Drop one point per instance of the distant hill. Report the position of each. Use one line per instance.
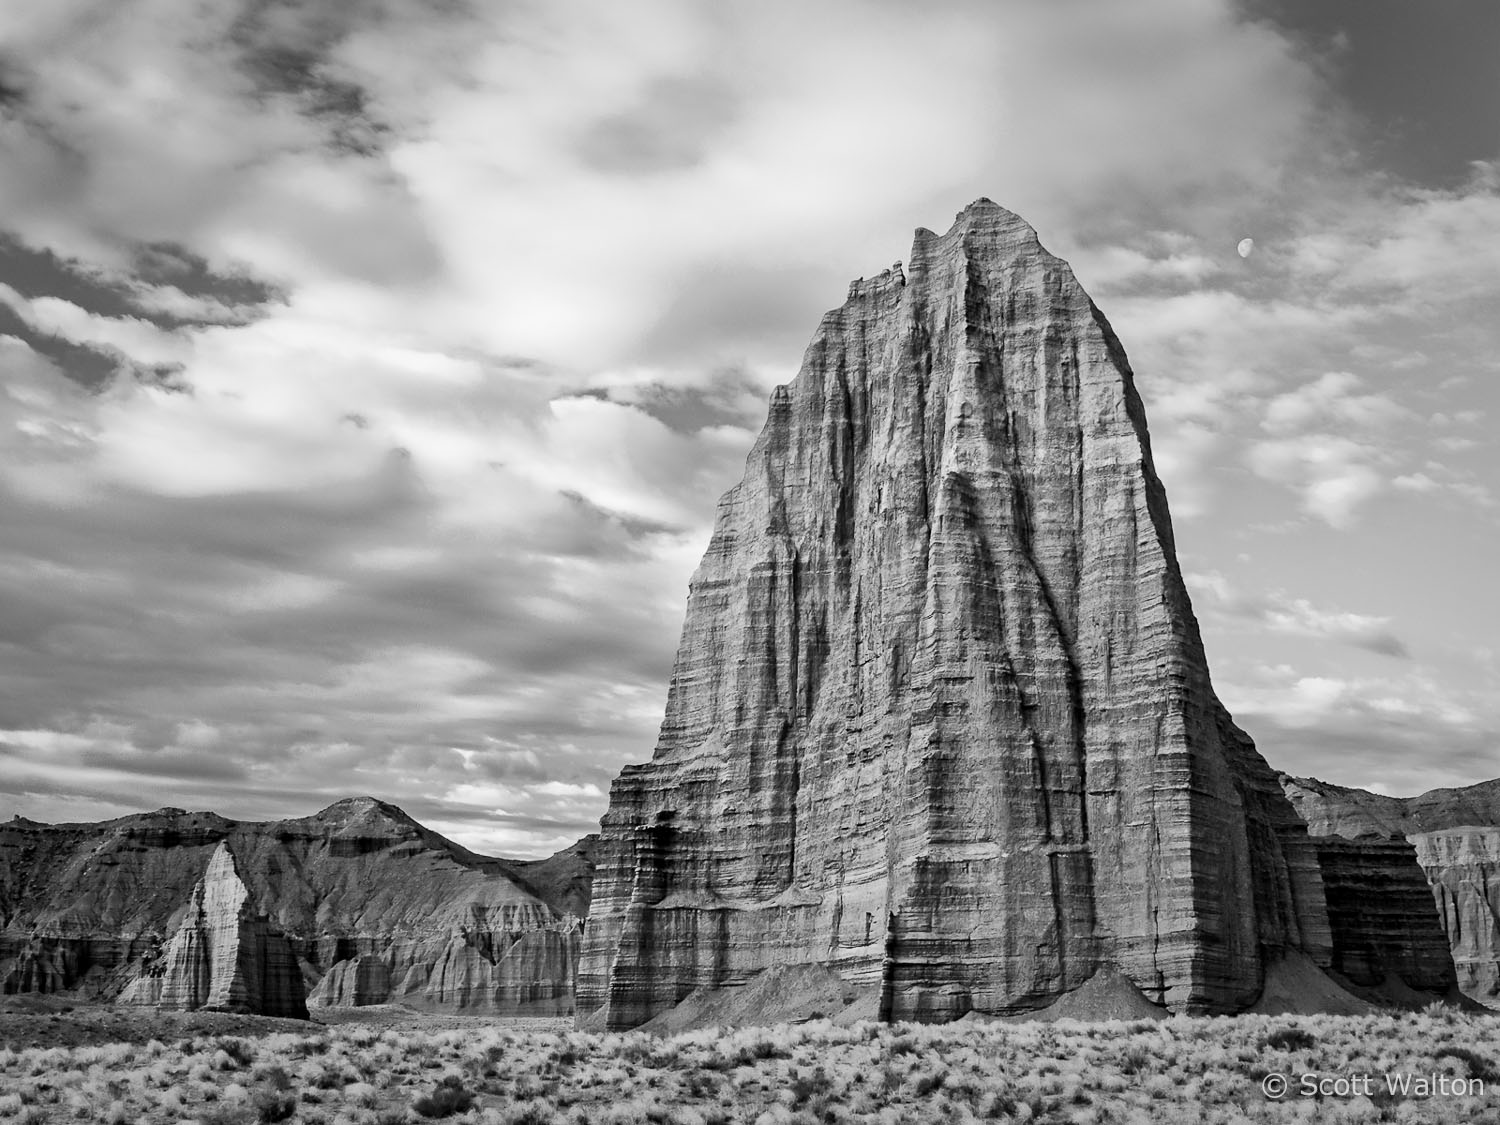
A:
(365, 894)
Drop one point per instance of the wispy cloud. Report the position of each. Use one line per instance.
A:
(1280, 613)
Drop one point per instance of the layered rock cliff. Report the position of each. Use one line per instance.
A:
(1381, 916)
(940, 717)
(87, 907)
(223, 955)
(1454, 837)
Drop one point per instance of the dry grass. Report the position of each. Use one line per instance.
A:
(489, 1073)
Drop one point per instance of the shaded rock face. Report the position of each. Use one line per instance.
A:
(353, 983)
(1454, 835)
(223, 956)
(940, 717)
(88, 906)
(1381, 915)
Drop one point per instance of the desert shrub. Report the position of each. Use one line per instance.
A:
(530, 1113)
(1477, 1065)
(700, 1084)
(361, 1094)
(446, 1099)
(1135, 1059)
(333, 1078)
(748, 1054)
(238, 1051)
(528, 1086)
(1290, 1039)
(275, 1076)
(273, 1105)
(901, 1045)
(805, 1087)
(225, 1115)
(392, 1117)
(307, 1048)
(929, 1083)
(1000, 1107)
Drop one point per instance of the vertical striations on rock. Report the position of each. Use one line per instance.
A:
(1381, 915)
(224, 955)
(941, 718)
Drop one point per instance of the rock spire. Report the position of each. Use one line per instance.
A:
(941, 719)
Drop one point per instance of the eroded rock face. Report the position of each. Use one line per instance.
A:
(940, 717)
(224, 955)
(1455, 838)
(1381, 915)
(88, 906)
(1463, 869)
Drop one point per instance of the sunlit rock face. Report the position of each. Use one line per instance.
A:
(940, 717)
(223, 955)
(366, 897)
(1454, 835)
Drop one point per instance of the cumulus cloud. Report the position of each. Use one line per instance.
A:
(1369, 732)
(421, 338)
(1326, 442)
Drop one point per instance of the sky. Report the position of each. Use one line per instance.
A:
(369, 373)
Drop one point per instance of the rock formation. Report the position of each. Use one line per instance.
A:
(1453, 834)
(940, 718)
(223, 956)
(1380, 913)
(383, 907)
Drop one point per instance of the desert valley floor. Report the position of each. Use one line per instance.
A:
(387, 1065)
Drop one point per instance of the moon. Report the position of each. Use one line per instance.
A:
(1246, 245)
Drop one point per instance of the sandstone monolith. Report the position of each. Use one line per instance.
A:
(940, 718)
(224, 955)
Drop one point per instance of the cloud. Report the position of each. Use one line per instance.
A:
(467, 314)
(1402, 734)
(1326, 444)
(1277, 612)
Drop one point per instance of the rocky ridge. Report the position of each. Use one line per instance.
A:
(940, 718)
(85, 907)
(1451, 835)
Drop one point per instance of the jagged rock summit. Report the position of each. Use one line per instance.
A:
(941, 719)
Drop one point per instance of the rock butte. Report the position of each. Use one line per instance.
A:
(223, 956)
(1453, 834)
(940, 719)
(373, 907)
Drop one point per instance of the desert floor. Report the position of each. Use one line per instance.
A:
(380, 1066)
